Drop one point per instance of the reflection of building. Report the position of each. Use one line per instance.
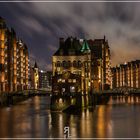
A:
(34, 73)
(126, 75)
(80, 65)
(13, 60)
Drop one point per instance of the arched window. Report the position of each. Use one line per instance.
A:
(74, 64)
(64, 64)
(79, 63)
(58, 64)
(69, 64)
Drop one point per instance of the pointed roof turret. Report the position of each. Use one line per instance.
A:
(85, 47)
(35, 66)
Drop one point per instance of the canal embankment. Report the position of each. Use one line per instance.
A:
(6, 99)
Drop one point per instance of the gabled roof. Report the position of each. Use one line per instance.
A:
(35, 66)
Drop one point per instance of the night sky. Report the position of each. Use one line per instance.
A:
(40, 25)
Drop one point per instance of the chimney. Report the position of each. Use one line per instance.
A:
(104, 38)
(61, 41)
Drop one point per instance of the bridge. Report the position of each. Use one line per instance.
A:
(73, 102)
(63, 101)
(122, 91)
(40, 92)
(32, 92)
(7, 98)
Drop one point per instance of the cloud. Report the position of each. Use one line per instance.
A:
(41, 25)
(31, 23)
(52, 48)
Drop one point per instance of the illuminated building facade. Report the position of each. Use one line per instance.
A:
(126, 75)
(100, 64)
(42, 79)
(81, 66)
(45, 79)
(71, 67)
(34, 73)
(13, 61)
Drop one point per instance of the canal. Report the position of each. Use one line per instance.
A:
(120, 118)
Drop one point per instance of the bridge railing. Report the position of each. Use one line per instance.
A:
(24, 92)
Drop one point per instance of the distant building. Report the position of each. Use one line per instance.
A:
(81, 66)
(49, 80)
(45, 79)
(13, 60)
(126, 75)
(42, 79)
(34, 76)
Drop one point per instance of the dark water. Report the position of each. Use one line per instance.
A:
(120, 118)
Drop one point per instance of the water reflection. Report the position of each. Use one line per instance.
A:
(24, 120)
(124, 100)
(32, 118)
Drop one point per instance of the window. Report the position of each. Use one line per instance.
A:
(69, 80)
(74, 80)
(64, 64)
(79, 64)
(59, 80)
(58, 64)
(74, 64)
(72, 89)
(69, 64)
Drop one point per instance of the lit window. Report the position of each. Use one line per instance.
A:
(72, 89)
(74, 80)
(59, 80)
(70, 80)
